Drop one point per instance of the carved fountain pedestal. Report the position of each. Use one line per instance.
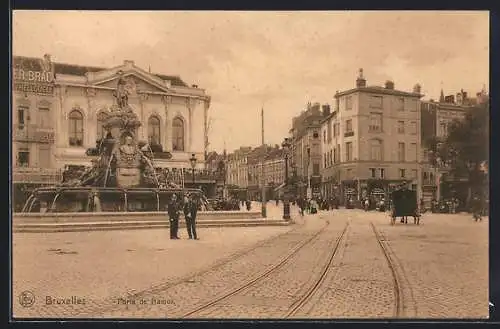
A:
(126, 157)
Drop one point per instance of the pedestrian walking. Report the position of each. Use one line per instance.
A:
(190, 211)
(313, 205)
(173, 214)
(301, 204)
(422, 206)
(476, 209)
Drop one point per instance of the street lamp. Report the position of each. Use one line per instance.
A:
(193, 165)
(286, 203)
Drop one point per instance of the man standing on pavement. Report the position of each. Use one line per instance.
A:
(173, 214)
(190, 211)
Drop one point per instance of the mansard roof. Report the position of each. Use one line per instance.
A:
(33, 64)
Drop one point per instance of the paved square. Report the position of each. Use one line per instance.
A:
(440, 267)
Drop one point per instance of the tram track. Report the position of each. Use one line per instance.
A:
(306, 297)
(110, 304)
(397, 284)
(161, 287)
(258, 278)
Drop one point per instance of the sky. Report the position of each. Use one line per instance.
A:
(277, 61)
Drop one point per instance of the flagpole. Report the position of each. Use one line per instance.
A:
(263, 199)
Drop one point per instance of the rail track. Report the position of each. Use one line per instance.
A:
(268, 272)
(299, 304)
(398, 292)
(107, 305)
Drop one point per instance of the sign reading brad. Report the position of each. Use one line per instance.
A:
(31, 80)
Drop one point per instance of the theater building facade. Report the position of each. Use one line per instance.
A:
(58, 112)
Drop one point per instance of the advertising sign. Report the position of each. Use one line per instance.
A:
(37, 79)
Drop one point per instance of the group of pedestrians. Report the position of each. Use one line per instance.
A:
(189, 207)
(312, 205)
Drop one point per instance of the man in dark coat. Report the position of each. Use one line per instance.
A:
(173, 214)
(190, 211)
(301, 204)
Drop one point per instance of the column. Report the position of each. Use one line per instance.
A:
(91, 128)
(167, 135)
(141, 134)
(190, 105)
(205, 123)
(61, 117)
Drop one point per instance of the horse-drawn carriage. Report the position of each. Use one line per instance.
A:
(403, 204)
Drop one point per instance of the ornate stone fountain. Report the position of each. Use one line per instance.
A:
(122, 176)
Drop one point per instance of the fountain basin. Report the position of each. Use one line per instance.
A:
(89, 199)
(70, 209)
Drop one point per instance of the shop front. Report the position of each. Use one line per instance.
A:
(349, 190)
(377, 189)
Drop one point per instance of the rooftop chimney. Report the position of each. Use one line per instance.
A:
(389, 85)
(417, 88)
(326, 110)
(337, 101)
(360, 81)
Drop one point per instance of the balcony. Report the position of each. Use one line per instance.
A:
(349, 134)
(33, 133)
(36, 175)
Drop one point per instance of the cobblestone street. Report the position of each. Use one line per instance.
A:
(345, 264)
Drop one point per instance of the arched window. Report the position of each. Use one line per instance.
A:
(178, 134)
(101, 119)
(75, 128)
(154, 130)
(376, 150)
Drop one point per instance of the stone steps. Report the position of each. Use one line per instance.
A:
(136, 225)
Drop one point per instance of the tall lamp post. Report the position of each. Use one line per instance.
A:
(193, 165)
(286, 203)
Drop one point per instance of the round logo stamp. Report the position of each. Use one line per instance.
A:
(26, 298)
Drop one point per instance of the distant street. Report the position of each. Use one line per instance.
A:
(340, 264)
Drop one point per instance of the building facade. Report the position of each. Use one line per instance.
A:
(306, 157)
(59, 109)
(371, 141)
(237, 170)
(251, 169)
(437, 118)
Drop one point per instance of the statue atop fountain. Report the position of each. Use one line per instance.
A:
(121, 163)
(121, 92)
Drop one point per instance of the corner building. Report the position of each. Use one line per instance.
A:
(371, 141)
(306, 156)
(437, 117)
